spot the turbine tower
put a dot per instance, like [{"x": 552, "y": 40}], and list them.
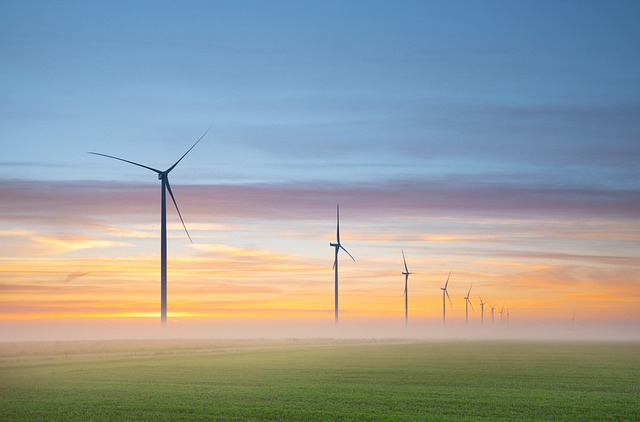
[
  {"x": 406, "y": 290},
  {"x": 467, "y": 302},
  {"x": 493, "y": 308},
  {"x": 481, "y": 312},
  {"x": 163, "y": 176},
  {"x": 444, "y": 303},
  {"x": 501, "y": 312},
  {"x": 337, "y": 247}
]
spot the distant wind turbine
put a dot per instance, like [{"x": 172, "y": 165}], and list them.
[
  {"x": 165, "y": 186},
  {"x": 444, "y": 303},
  {"x": 481, "y": 311},
  {"x": 467, "y": 302},
  {"x": 406, "y": 290},
  {"x": 493, "y": 308},
  {"x": 501, "y": 312},
  {"x": 337, "y": 247}
]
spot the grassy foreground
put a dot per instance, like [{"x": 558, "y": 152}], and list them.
[{"x": 329, "y": 380}]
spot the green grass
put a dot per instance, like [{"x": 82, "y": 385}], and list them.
[{"x": 333, "y": 381}]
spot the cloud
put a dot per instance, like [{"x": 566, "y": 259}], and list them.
[
  {"x": 64, "y": 243},
  {"x": 427, "y": 133},
  {"x": 96, "y": 203},
  {"x": 234, "y": 252},
  {"x": 15, "y": 233},
  {"x": 75, "y": 276},
  {"x": 141, "y": 233},
  {"x": 542, "y": 134},
  {"x": 265, "y": 247}
]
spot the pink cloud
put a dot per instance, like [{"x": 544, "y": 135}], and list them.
[{"x": 92, "y": 202}]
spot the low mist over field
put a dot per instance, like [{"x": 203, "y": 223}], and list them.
[{"x": 149, "y": 328}]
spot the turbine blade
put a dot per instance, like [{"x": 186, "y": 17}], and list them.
[
  {"x": 445, "y": 284},
  {"x": 469, "y": 290},
  {"x": 126, "y": 161},
  {"x": 342, "y": 247},
  {"x": 405, "y": 263},
  {"x": 335, "y": 260},
  {"x": 338, "y": 223},
  {"x": 449, "y": 297},
  {"x": 177, "y": 209},
  {"x": 471, "y": 305},
  {"x": 189, "y": 150}
]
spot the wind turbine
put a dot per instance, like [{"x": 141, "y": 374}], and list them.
[
  {"x": 501, "y": 311},
  {"x": 493, "y": 308},
  {"x": 444, "y": 303},
  {"x": 467, "y": 302},
  {"x": 163, "y": 176},
  {"x": 481, "y": 312},
  {"x": 406, "y": 290},
  {"x": 337, "y": 247}
]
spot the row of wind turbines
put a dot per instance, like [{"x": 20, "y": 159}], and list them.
[
  {"x": 445, "y": 292},
  {"x": 165, "y": 187}
]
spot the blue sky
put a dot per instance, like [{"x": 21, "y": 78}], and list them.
[{"x": 306, "y": 91}]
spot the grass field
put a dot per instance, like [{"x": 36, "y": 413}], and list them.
[{"x": 321, "y": 380}]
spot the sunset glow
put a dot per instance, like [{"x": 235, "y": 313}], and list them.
[{"x": 280, "y": 266}]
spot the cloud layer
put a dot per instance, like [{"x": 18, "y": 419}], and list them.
[{"x": 88, "y": 248}]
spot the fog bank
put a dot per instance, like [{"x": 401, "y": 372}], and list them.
[{"x": 150, "y": 328}]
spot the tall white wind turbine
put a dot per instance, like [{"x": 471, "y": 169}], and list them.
[
  {"x": 337, "y": 247},
  {"x": 444, "y": 303},
  {"x": 163, "y": 176},
  {"x": 467, "y": 302},
  {"x": 406, "y": 274}
]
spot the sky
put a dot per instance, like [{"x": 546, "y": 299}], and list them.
[{"x": 497, "y": 140}]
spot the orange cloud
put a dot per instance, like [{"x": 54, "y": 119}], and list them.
[{"x": 62, "y": 244}]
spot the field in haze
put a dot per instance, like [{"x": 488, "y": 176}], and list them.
[{"x": 320, "y": 380}]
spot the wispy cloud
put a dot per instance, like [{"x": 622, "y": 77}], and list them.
[
  {"x": 75, "y": 276},
  {"x": 62, "y": 243},
  {"x": 94, "y": 202}
]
